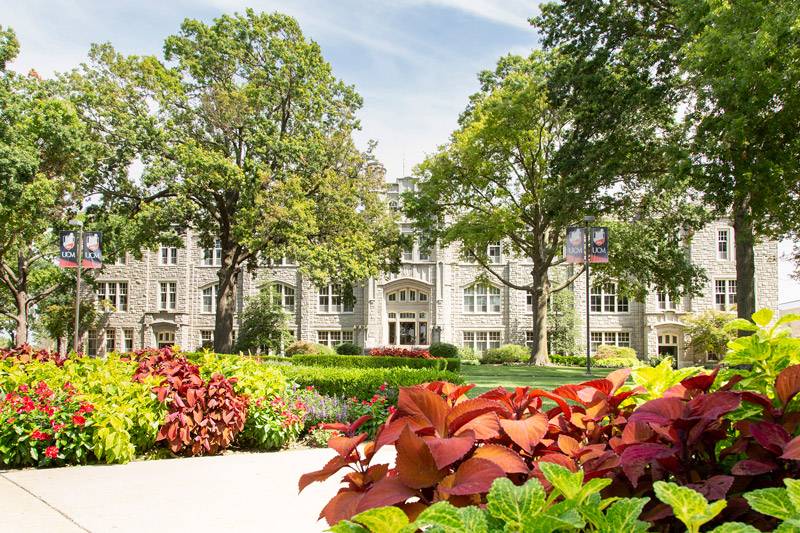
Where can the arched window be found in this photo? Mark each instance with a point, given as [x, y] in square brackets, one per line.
[482, 298]
[407, 295]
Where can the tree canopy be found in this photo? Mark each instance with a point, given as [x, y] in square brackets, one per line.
[245, 135]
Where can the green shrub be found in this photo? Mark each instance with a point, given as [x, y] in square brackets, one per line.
[443, 349]
[307, 348]
[617, 362]
[568, 360]
[253, 378]
[508, 353]
[605, 351]
[368, 361]
[363, 382]
[469, 356]
[349, 348]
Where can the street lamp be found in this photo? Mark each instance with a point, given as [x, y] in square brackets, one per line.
[78, 243]
[588, 219]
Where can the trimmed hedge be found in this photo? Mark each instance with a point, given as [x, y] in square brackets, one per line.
[443, 349]
[507, 353]
[362, 382]
[372, 361]
[609, 362]
[348, 348]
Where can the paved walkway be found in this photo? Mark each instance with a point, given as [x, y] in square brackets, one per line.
[238, 492]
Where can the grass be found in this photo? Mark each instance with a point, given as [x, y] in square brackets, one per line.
[487, 377]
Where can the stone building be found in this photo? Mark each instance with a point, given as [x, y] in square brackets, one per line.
[168, 297]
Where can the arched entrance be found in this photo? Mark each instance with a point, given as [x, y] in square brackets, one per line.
[407, 314]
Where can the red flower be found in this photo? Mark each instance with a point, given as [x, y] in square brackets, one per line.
[392, 409]
[51, 452]
[78, 420]
[11, 420]
[382, 388]
[86, 408]
[23, 388]
[56, 427]
[39, 435]
[310, 387]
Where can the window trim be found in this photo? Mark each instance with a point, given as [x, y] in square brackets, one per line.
[728, 232]
[473, 309]
[161, 305]
[603, 294]
[330, 308]
[730, 303]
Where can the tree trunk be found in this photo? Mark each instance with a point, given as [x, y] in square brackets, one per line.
[540, 291]
[226, 292]
[21, 301]
[744, 240]
[59, 344]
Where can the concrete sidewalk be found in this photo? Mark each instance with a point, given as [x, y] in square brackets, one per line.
[237, 492]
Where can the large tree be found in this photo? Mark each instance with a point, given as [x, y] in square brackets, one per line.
[244, 135]
[727, 71]
[43, 156]
[514, 171]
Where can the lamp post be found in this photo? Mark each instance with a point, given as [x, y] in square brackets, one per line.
[78, 260]
[588, 219]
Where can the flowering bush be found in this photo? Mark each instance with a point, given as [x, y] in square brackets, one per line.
[272, 424]
[390, 351]
[44, 427]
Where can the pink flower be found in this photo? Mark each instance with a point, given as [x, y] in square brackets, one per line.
[51, 452]
[39, 435]
[23, 388]
[78, 420]
[382, 388]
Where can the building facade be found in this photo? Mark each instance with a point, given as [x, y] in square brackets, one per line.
[168, 297]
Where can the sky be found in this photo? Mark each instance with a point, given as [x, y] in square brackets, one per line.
[415, 62]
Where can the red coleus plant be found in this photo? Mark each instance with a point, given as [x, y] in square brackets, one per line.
[450, 447]
[401, 352]
[203, 418]
[26, 353]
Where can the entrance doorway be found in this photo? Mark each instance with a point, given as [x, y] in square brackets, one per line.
[668, 345]
[408, 329]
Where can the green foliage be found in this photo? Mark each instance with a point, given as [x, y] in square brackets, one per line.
[308, 348]
[561, 322]
[254, 379]
[372, 361]
[443, 349]
[767, 351]
[264, 324]
[9, 46]
[783, 504]
[656, 380]
[608, 362]
[508, 353]
[272, 424]
[469, 356]
[689, 506]
[362, 382]
[348, 348]
[605, 351]
[707, 334]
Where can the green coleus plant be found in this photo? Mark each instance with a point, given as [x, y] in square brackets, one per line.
[571, 505]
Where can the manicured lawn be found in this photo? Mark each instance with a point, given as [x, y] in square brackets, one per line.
[487, 377]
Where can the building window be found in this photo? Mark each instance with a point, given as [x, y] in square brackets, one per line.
[610, 338]
[332, 300]
[725, 294]
[408, 295]
[424, 250]
[665, 303]
[127, 340]
[333, 338]
[408, 250]
[206, 338]
[494, 251]
[166, 339]
[111, 340]
[169, 255]
[210, 299]
[91, 342]
[724, 244]
[213, 256]
[606, 300]
[284, 296]
[114, 293]
[482, 298]
[480, 341]
[168, 295]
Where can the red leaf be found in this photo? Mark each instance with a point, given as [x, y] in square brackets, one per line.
[341, 507]
[558, 399]
[424, 404]
[526, 433]
[344, 446]
[333, 466]
[447, 451]
[568, 445]
[467, 410]
[659, 411]
[752, 467]
[474, 476]
[387, 491]
[713, 488]
[485, 426]
[792, 449]
[787, 384]
[559, 459]
[618, 378]
[506, 458]
[714, 405]
[637, 456]
[415, 464]
[771, 436]
[351, 430]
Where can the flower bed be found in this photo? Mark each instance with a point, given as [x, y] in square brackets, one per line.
[390, 351]
[678, 437]
[371, 361]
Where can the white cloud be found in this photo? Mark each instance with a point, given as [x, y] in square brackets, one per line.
[509, 12]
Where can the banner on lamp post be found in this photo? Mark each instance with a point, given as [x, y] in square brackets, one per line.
[68, 249]
[599, 245]
[575, 245]
[92, 249]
